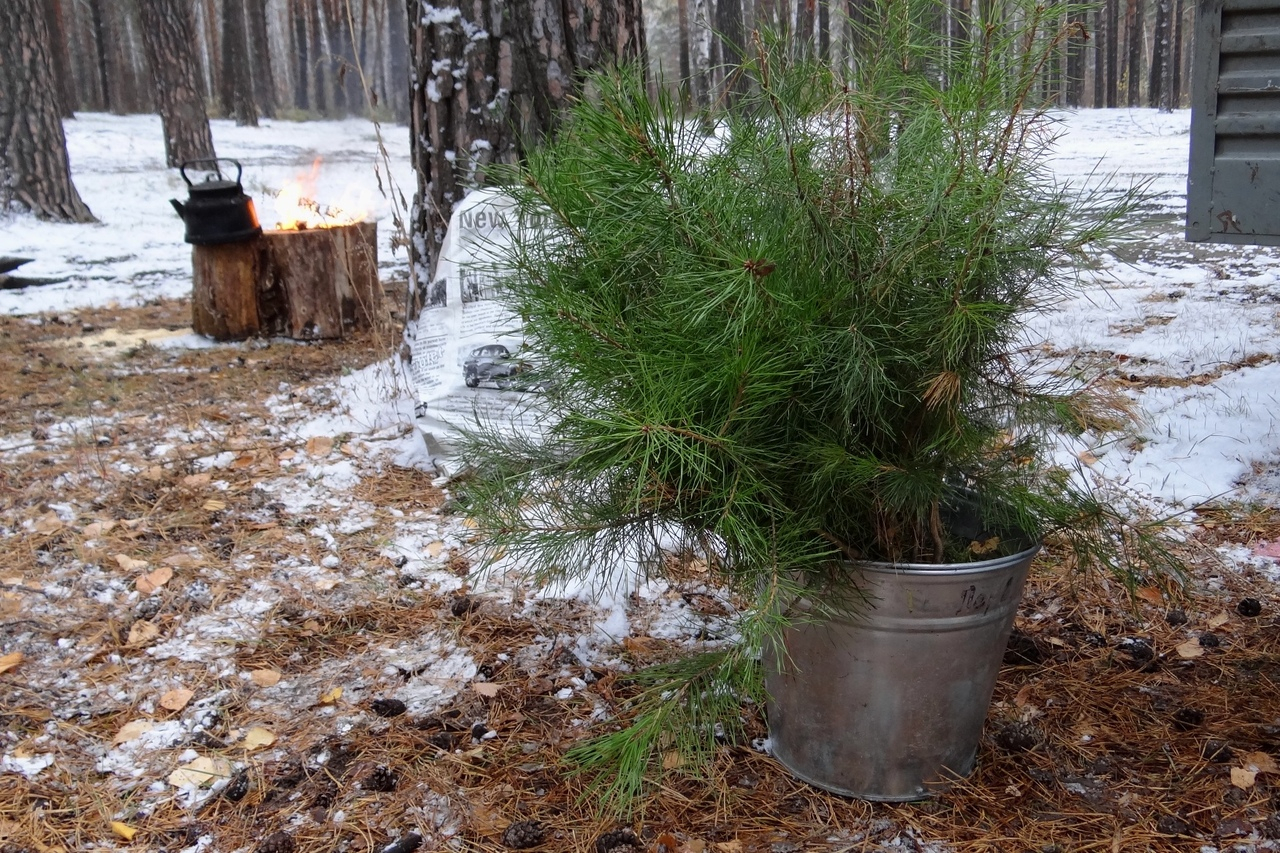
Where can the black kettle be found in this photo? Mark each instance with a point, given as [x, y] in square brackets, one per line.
[217, 210]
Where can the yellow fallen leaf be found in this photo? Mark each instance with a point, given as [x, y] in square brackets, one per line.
[1243, 779]
[244, 460]
[331, 696]
[123, 830]
[327, 583]
[129, 564]
[48, 524]
[734, 846]
[1218, 621]
[181, 561]
[214, 505]
[486, 688]
[1151, 594]
[349, 449]
[154, 473]
[201, 773]
[1260, 762]
[98, 528]
[287, 455]
[319, 445]
[470, 522]
[258, 737]
[265, 677]
[142, 632]
[693, 845]
[133, 523]
[672, 760]
[152, 581]
[131, 730]
[9, 661]
[1087, 457]
[434, 548]
[1190, 649]
[176, 699]
[196, 480]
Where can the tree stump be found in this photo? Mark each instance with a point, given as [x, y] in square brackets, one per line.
[319, 283]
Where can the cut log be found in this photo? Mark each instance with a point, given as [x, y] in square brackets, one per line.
[319, 283]
[224, 302]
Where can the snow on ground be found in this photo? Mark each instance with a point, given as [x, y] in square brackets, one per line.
[1192, 327]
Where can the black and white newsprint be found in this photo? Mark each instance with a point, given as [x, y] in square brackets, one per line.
[468, 350]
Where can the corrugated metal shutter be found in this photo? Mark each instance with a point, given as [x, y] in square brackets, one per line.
[1233, 183]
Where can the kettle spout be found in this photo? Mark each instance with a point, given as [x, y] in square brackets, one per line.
[180, 207]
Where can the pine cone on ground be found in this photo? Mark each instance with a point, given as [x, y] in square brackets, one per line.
[524, 834]
[277, 842]
[381, 778]
[388, 707]
[620, 840]
[237, 787]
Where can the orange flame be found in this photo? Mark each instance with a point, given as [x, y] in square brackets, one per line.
[297, 209]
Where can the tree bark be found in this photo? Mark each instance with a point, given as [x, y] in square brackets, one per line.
[1133, 52]
[1113, 52]
[730, 34]
[66, 90]
[36, 171]
[490, 77]
[264, 87]
[1076, 36]
[237, 78]
[169, 41]
[1175, 61]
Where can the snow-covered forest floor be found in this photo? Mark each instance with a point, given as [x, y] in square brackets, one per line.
[235, 602]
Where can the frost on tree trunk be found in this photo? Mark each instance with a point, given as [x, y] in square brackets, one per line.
[34, 169]
[489, 77]
[168, 37]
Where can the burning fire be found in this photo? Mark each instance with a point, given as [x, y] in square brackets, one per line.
[297, 209]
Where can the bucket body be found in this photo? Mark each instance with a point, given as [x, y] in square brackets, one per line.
[887, 703]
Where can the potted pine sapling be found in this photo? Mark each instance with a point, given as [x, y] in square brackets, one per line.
[796, 346]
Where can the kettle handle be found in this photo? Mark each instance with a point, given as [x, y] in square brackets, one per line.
[182, 170]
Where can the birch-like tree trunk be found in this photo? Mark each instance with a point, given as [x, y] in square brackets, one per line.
[168, 37]
[489, 77]
[35, 171]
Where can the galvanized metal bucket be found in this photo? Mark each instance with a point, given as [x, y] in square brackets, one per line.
[888, 703]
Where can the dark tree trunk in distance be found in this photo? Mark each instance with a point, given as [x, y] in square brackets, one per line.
[1133, 53]
[34, 168]
[66, 90]
[490, 77]
[168, 36]
[1113, 52]
[237, 78]
[730, 35]
[264, 89]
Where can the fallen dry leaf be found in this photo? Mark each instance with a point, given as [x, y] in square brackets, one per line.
[244, 460]
[1087, 458]
[9, 661]
[197, 480]
[319, 445]
[131, 730]
[327, 583]
[123, 830]
[182, 561]
[142, 632]
[155, 473]
[214, 505]
[97, 528]
[1260, 762]
[1218, 621]
[1151, 594]
[331, 696]
[129, 564]
[1243, 779]
[672, 760]
[152, 581]
[349, 449]
[257, 737]
[265, 677]
[48, 524]
[201, 773]
[287, 455]
[486, 688]
[434, 548]
[1190, 649]
[176, 699]
[693, 845]
[734, 846]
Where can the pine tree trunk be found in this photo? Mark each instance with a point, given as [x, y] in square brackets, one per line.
[35, 171]
[1133, 52]
[66, 90]
[398, 62]
[488, 77]
[730, 33]
[264, 87]
[686, 73]
[169, 41]
[1175, 64]
[237, 77]
[100, 54]
[301, 44]
[1113, 53]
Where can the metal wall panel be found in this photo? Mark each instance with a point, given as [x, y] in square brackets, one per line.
[1233, 182]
